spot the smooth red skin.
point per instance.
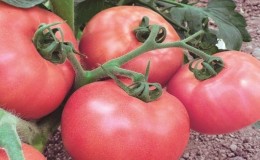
(30, 86)
(224, 103)
(110, 34)
(29, 152)
(101, 121)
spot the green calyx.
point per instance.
(48, 45)
(143, 31)
(209, 68)
(145, 91)
(57, 51)
(140, 88)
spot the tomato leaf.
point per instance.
(9, 139)
(231, 25)
(64, 9)
(85, 10)
(24, 3)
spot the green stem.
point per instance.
(183, 44)
(192, 37)
(127, 73)
(156, 35)
(148, 45)
(80, 78)
(85, 77)
(27, 130)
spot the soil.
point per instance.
(241, 145)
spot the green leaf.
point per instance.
(206, 43)
(64, 9)
(231, 25)
(24, 3)
(9, 139)
(226, 8)
(85, 10)
(124, 2)
(190, 16)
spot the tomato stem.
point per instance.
(148, 45)
(183, 44)
(81, 77)
(152, 35)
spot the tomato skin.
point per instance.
(224, 103)
(30, 86)
(30, 153)
(110, 34)
(100, 121)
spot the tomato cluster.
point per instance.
(100, 120)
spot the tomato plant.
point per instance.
(225, 103)
(30, 153)
(110, 34)
(101, 121)
(30, 85)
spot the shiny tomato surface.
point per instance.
(101, 121)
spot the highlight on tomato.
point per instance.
(224, 103)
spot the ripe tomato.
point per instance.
(226, 102)
(110, 34)
(101, 121)
(30, 85)
(30, 153)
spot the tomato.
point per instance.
(110, 34)
(226, 102)
(101, 121)
(30, 85)
(29, 152)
